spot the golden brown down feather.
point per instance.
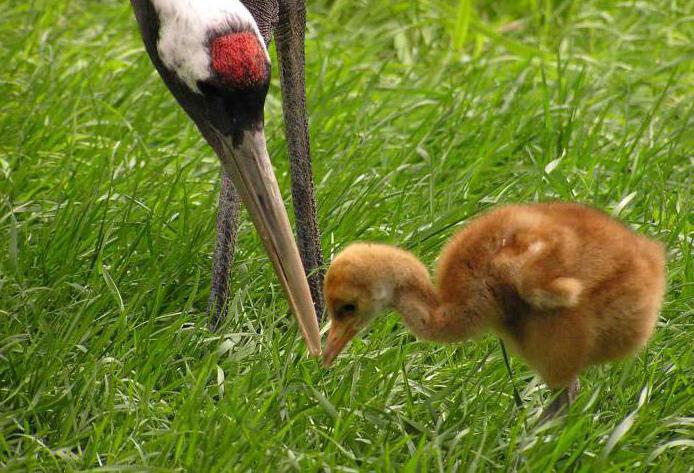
(565, 285)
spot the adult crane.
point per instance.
(212, 55)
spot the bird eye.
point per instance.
(346, 310)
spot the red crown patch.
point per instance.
(239, 59)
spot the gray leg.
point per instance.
(561, 401)
(227, 231)
(265, 14)
(289, 37)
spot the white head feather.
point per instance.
(184, 32)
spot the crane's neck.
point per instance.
(425, 313)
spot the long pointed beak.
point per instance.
(248, 164)
(338, 337)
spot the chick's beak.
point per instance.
(339, 335)
(247, 162)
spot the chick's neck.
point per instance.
(429, 317)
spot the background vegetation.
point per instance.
(422, 115)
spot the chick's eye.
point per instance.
(346, 310)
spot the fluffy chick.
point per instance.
(565, 286)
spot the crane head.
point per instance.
(213, 59)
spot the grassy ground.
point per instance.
(422, 116)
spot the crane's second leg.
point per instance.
(290, 36)
(227, 231)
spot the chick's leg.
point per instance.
(561, 401)
(557, 346)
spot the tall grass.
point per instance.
(422, 115)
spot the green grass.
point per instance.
(422, 115)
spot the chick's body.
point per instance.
(565, 285)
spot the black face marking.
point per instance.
(233, 111)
